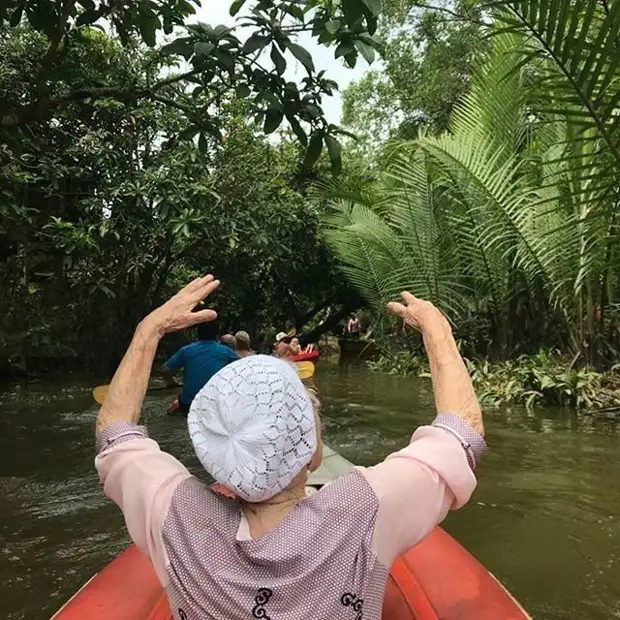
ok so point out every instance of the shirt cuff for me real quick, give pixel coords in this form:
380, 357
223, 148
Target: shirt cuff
119, 432
473, 443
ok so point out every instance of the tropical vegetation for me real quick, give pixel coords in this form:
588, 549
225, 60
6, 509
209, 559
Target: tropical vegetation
508, 220
133, 156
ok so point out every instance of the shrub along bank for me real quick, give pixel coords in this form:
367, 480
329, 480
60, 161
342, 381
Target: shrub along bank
546, 378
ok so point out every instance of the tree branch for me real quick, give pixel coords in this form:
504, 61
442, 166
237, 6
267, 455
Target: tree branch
173, 79
459, 17
44, 106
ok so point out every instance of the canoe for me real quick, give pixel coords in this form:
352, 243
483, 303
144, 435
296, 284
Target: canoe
358, 349
305, 357
435, 580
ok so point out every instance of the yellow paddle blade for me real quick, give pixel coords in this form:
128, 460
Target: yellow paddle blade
100, 392
305, 370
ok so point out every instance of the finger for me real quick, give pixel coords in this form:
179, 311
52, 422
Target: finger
208, 287
205, 289
188, 288
408, 298
204, 316
198, 283
396, 308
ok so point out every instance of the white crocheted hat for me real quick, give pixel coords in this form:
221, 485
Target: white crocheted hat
253, 427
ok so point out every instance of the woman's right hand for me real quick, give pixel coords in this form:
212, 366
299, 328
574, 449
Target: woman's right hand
419, 313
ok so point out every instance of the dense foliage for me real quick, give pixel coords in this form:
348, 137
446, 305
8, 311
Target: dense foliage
509, 220
122, 174
428, 56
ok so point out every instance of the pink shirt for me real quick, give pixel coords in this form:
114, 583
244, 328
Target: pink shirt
330, 556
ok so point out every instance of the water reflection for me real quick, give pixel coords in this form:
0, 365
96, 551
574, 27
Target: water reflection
544, 518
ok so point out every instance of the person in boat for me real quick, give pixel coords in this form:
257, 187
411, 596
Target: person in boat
282, 350
199, 360
295, 347
243, 344
353, 327
267, 548
228, 340
281, 347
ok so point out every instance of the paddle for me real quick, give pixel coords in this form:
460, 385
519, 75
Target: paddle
101, 391
305, 370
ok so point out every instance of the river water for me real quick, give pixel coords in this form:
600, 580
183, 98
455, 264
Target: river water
545, 518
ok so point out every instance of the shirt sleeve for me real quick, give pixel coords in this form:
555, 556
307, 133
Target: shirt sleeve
418, 485
141, 480
177, 361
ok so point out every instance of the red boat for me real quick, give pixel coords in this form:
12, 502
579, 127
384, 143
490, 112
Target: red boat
305, 357
435, 580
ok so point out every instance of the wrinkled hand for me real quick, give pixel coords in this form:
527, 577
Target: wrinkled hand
177, 313
418, 313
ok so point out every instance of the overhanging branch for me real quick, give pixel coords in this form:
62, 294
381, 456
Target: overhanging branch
44, 106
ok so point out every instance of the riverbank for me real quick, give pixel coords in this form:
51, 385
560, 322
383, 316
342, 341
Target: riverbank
545, 379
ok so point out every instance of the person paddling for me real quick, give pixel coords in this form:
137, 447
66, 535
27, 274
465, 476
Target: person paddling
199, 360
271, 550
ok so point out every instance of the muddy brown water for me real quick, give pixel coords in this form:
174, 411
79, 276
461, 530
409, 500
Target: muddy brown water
545, 518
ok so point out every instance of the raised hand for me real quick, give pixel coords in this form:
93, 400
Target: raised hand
177, 313
418, 313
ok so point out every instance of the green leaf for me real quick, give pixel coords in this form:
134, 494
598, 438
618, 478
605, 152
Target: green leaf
243, 90
274, 102
273, 118
226, 58
334, 148
313, 151
221, 30
374, 6
235, 7
344, 49
202, 48
351, 59
295, 11
278, 60
302, 55
189, 133
148, 25
203, 145
182, 46
365, 50
299, 132
313, 110
333, 26
352, 10
205, 28
254, 43
87, 17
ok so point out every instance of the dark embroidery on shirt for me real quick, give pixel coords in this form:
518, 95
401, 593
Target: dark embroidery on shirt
182, 614
350, 600
262, 598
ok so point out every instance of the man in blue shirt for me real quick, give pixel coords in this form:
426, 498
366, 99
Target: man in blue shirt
199, 360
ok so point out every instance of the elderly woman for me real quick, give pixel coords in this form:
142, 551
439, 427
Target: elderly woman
273, 551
